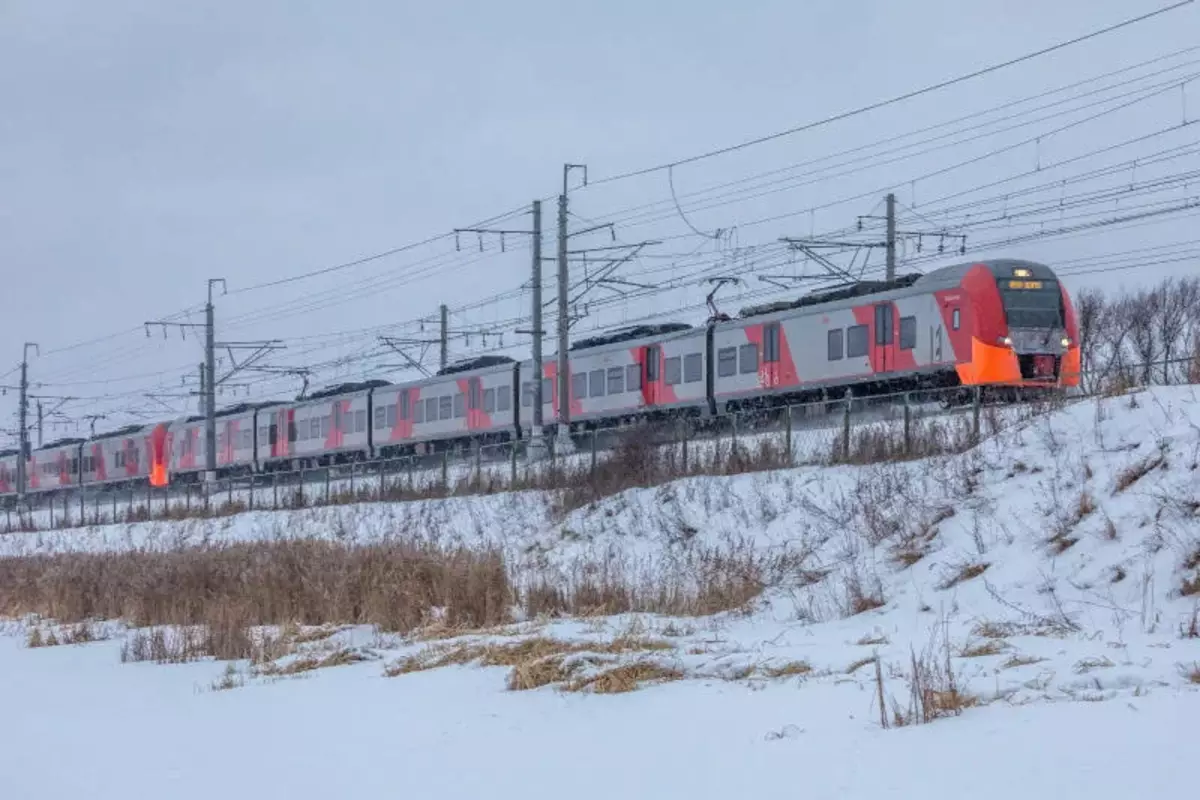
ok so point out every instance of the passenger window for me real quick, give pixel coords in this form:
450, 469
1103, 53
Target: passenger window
460, 405
748, 358
673, 371
526, 394
596, 383
446, 407
616, 380
856, 341
727, 362
693, 368
908, 333
503, 398
405, 405
389, 416
489, 400
579, 385
419, 411
380, 416
835, 344
360, 421
431, 409
653, 354
633, 378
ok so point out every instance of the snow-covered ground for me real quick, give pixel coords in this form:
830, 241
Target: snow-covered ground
1045, 567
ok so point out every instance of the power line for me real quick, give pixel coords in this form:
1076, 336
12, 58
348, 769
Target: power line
897, 99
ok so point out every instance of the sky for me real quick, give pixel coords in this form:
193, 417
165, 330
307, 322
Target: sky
146, 147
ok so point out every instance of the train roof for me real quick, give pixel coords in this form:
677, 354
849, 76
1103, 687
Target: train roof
126, 431
343, 388
62, 443
229, 411
6, 453
843, 292
481, 362
999, 267
629, 333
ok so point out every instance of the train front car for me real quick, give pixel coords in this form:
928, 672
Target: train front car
1024, 332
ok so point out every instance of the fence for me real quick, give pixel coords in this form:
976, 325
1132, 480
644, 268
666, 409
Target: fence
597, 462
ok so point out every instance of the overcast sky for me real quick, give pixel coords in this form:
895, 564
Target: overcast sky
146, 146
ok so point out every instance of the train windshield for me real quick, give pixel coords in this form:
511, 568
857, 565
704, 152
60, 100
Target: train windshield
1032, 303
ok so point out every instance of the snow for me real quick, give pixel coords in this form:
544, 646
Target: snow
1083, 684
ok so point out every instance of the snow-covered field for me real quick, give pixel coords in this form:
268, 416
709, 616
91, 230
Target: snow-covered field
1046, 567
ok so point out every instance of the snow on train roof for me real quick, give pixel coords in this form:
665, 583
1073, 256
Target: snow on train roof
629, 333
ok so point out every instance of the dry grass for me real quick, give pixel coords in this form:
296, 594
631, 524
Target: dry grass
1192, 673
934, 691
81, 633
988, 647
1191, 629
535, 662
962, 573
993, 629
624, 678
855, 666
788, 669
339, 657
1018, 660
229, 588
1135, 472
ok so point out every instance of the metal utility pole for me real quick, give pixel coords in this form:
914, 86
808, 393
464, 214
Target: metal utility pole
209, 387
538, 400
444, 337
891, 236
22, 424
563, 442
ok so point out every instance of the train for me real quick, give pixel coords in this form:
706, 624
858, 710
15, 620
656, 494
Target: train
996, 323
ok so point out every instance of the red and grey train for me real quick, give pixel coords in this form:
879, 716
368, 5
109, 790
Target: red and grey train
998, 323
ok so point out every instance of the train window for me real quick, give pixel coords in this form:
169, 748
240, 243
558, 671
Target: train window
771, 343
315, 428
727, 362
360, 420
673, 370
856, 341
526, 394
460, 405
908, 333
291, 431
748, 358
693, 368
503, 398
489, 400
579, 386
419, 411
380, 416
596, 383
405, 402
348, 422
446, 407
957, 319
633, 378
324, 429
264, 435
274, 434
431, 409
653, 356
547, 390
616, 380
835, 344
389, 415
248, 439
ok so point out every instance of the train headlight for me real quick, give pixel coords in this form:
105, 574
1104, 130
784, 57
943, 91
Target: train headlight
1066, 341
1005, 340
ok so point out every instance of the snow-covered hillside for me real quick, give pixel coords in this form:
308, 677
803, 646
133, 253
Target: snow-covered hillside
1053, 564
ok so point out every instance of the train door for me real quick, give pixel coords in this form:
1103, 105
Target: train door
652, 384
885, 335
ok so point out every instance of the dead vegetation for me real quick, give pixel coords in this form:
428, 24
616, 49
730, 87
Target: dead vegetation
542, 661
1018, 660
1192, 673
80, 633
788, 669
1135, 472
962, 573
988, 647
934, 690
624, 678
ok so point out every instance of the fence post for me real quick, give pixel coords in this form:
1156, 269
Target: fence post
446, 471
593, 452
907, 424
683, 434
975, 408
275, 491
51, 512
301, 501
512, 480
846, 409
353, 465
787, 411
478, 463
328, 482
251, 491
